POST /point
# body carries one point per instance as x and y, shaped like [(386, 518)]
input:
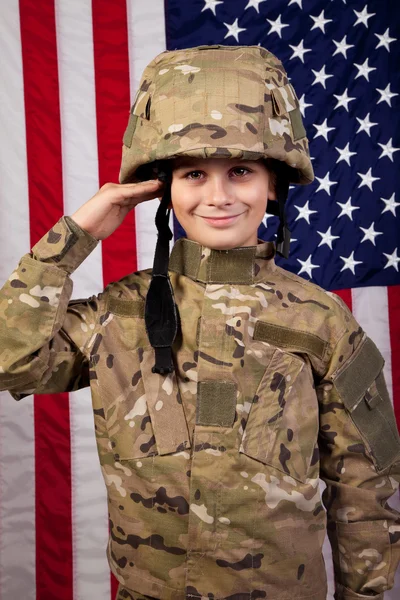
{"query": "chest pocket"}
[(143, 410), (283, 423)]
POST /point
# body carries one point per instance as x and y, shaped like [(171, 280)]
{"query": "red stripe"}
[(345, 295), (394, 324), (111, 62), (52, 434)]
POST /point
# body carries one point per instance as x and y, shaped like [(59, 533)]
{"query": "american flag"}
[(69, 70)]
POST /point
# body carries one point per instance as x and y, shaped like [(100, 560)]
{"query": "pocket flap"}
[(165, 408)]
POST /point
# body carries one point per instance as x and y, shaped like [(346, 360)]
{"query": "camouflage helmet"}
[(215, 101)]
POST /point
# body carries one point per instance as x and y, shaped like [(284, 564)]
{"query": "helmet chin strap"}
[(161, 312), (278, 209)]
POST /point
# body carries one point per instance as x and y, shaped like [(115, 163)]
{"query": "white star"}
[(367, 179), (386, 95), (276, 26), (323, 130), (254, 4), (211, 5), (320, 22), (350, 263), (327, 238), (391, 204), (343, 100), (299, 51), (320, 76), (362, 17), (370, 234), (347, 209), (388, 150), (364, 69), (384, 40), (234, 30), (342, 47), (304, 212), (266, 217), (296, 2), (303, 105), (345, 154), (325, 183), (365, 125), (393, 260), (307, 266)]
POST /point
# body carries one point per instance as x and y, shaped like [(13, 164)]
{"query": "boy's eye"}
[(194, 175), (240, 171)]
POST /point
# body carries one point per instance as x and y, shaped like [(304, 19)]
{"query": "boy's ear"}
[(272, 193)]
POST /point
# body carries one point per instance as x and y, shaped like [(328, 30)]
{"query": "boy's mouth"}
[(220, 221)]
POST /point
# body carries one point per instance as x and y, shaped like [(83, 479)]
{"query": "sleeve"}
[(44, 336), (360, 464)]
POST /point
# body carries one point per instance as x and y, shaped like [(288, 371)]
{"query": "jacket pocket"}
[(142, 410), (283, 423), (361, 385)]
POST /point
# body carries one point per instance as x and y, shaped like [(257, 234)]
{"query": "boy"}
[(223, 387)]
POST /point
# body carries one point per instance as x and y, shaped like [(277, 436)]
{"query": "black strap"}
[(278, 208), (161, 313)]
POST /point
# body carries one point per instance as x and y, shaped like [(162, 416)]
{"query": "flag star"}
[(362, 17), (277, 26), (327, 238), (388, 149), (304, 212), (299, 51), (343, 100), (325, 183), (364, 70), (323, 130), (350, 263), (347, 209), (296, 2), (303, 105), (234, 30), (342, 47), (384, 40), (386, 95), (367, 179), (345, 154), (370, 234), (307, 266), (320, 22), (320, 76), (254, 4), (266, 217), (391, 204), (365, 124), (211, 5), (393, 260)]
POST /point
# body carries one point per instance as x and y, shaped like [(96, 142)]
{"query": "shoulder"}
[(310, 308)]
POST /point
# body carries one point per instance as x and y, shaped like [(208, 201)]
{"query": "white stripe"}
[(370, 308), (146, 34), (80, 180), (17, 449)]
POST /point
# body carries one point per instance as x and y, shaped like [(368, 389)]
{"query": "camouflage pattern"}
[(212, 472), (216, 101)]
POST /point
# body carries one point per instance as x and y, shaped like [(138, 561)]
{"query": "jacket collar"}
[(239, 265)]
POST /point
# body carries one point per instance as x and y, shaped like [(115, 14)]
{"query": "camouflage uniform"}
[(212, 471)]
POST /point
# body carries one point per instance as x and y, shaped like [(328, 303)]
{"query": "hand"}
[(104, 212)]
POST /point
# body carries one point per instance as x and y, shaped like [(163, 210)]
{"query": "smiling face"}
[(220, 202)]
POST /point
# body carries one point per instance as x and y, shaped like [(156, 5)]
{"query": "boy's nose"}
[(218, 192)]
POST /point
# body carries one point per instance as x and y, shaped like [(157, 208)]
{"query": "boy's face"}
[(220, 202)]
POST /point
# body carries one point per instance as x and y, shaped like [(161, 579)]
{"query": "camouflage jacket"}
[(212, 472)]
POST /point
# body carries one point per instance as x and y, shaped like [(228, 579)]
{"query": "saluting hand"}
[(104, 212)]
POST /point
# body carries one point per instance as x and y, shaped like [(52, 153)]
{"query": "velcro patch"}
[(216, 403), (125, 308), (285, 337)]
